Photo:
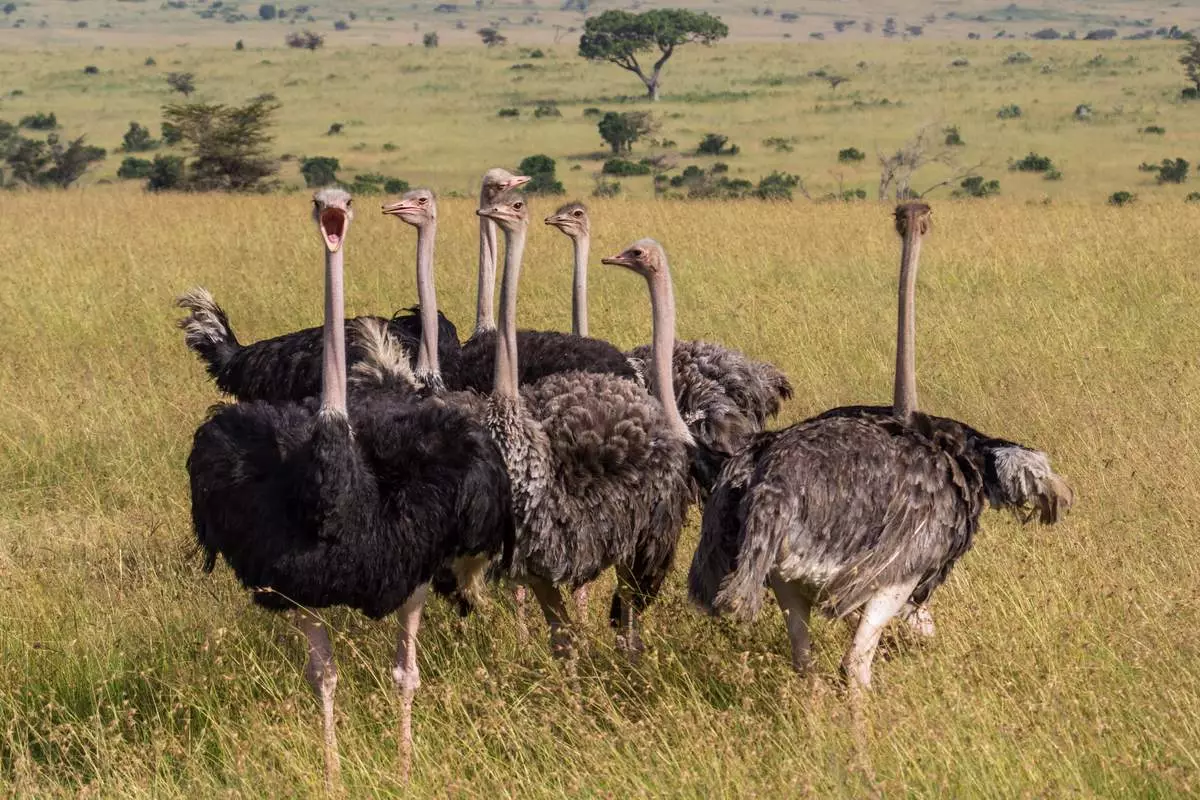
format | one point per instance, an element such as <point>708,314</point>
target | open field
<point>1066,663</point>
<point>431,116</point>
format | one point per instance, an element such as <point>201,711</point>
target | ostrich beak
<point>621,260</point>
<point>399,208</point>
<point>333,222</point>
<point>515,181</point>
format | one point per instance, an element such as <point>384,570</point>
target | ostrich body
<point>860,508</point>
<point>288,367</point>
<point>327,503</point>
<point>598,466</point>
<point>724,396</point>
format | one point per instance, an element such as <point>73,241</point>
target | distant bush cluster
<point>43,163</point>
<point>695,183</point>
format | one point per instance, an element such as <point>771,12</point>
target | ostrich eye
<point>423,200</point>
<point>349,203</point>
<point>518,205</point>
<point>578,213</point>
<point>316,203</point>
<point>638,254</point>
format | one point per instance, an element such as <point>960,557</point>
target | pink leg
<point>581,603</point>
<point>796,606</point>
<point>878,611</point>
<point>406,673</point>
<point>555,611</point>
<point>321,673</point>
<point>519,595</point>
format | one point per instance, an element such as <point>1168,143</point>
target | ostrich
<point>862,507</point>
<point>598,466</point>
<point>724,396</point>
<point>288,367</point>
<point>327,503</point>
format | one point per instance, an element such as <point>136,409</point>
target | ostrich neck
<point>333,365</point>
<point>485,301</point>
<point>505,374</point>
<point>662,352</point>
<point>427,351</point>
<point>904,400</point>
<point>579,302</point>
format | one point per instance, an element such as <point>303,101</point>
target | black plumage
<point>288,367</point>
<point>543,353</point>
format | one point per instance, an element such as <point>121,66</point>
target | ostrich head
<point>913,217</point>
<point>571,219</point>
<point>509,211</point>
<point>332,215</point>
<point>496,181</point>
<point>417,207</point>
<point>645,257</point>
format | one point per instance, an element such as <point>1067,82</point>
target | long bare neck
<point>428,368</point>
<point>579,302</point>
<point>505,373</point>
<point>333,365</point>
<point>485,319</point>
<point>904,400</point>
<point>662,351</point>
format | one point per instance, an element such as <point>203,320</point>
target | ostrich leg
<point>555,611</point>
<point>629,637</point>
<point>581,602</point>
<point>406,673</point>
<point>321,673</point>
<point>519,598</point>
<point>796,606</point>
<point>879,610</point>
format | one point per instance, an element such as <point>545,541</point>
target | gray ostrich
<point>598,466</point>
<point>862,508</point>
<point>496,181</point>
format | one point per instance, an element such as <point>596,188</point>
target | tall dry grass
<point>1066,658</point>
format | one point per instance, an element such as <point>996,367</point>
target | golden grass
<point>1066,657</point>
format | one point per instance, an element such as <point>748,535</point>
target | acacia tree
<point>1190,59</point>
<point>619,36</point>
<point>230,145</point>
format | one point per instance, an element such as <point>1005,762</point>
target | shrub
<point>171,134</point>
<point>1190,93</point>
<point>167,173</point>
<point>977,186</point>
<point>267,11</point>
<point>230,145</point>
<point>540,169</point>
<point>590,112</point>
<point>149,62</point>
<point>137,140</point>
<point>851,154</point>
<point>1046,33</point>
<point>508,112</point>
<point>621,130</point>
<point>1018,58</point>
<point>1032,163</point>
<point>778,144</point>
<point>960,62</point>
<point>1193,197</point>
<point>389,147</point>
<point>953,137</point>
<point>395,186</point>
<point>39,122</point>
<point>134,169</point>
<point>719,168</point>
<point>305,40</point>
<point>714,144</point>
<point>335,129</point>
<point>1172,170</point>
<point>623,167</point>
<point>1155,129</point>
<point>91,69</point>
<point>1121,198</point>
<point>537,53</point>
<point>182,82</point>
<point>776,186</point>
<point>430,40</point>
<point>341,25</point>
<point>319,171</point>
<point>1009,112</point>
<point>606,188</point>
<point>546,108</point>
<point>239,45</point>
<point>1053,174</point>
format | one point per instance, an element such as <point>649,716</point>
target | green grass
<point>1066,658</point>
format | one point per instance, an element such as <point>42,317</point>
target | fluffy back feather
<point>384,364</point>
<point>206,329</point>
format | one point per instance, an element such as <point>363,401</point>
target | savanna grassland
<point>1066,658</point>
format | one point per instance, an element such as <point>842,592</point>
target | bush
<point>239,45</point>
<point>430,40</point>
<point>167,173</point>
<point>305,40</point>
<point>134,169</point>
<point>39,122</point>
<point>91,69</point>
<point>851,154</point>
<point>1173,171</point>
<point>1053,174</point>
<point>319,171</point>
<point>1018,58</point>
<point>149,62</point>
<point>776,186</point>
<point>137,140</point>
<point>395,186</point>
<point>182,82</point>
<point>540,169</point>
<point>508,112</point>
<point>229,145</point>
<point>1193,197</point>
<point>606,188</point>
<point>778,144</point>
<point>335,129</point>
<point>1032,163</point>
<point>546,108</point>
<point>713,144</point>
<point>1009,112</point>
<point>977,186</point>
<point>1155,129</point>
<point>537,53</point>
<point>267,11</point>
<point>341,25</point>
<point>953,137</point>
<point>719,168</point>
<point>171,134</point>
<point>625,168</point>
<point>589,113</point>
<point>1121,198</point>
<point>1190,93</point>
<point>621,130</point>
<point>960,62</point>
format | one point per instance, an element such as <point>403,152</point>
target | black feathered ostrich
<point>598,466</point>
<point>861,508</point>
<point>358,504</point>
<point>288,367</point>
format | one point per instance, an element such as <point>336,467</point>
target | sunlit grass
<point>1065,664</point>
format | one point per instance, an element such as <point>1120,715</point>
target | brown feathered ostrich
<point>598,466</point>
<point>862,508</point>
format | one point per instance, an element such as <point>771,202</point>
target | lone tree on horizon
<point>618,37</point>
